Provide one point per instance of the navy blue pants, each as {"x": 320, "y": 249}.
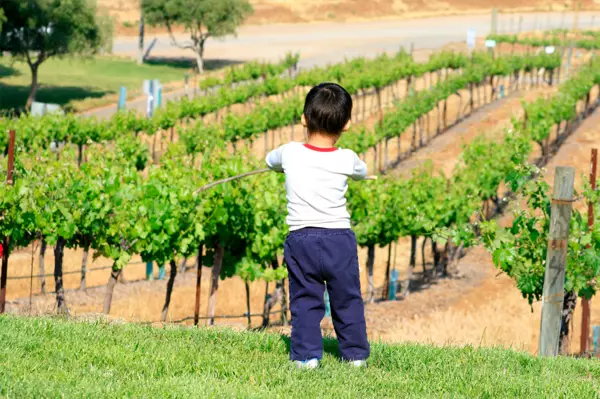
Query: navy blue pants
{"x": 315, "y": 256}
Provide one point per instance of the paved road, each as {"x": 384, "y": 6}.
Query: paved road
{"x": 324, "y": 43}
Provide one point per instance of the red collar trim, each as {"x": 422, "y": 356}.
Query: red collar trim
{"x": 320, "y": 149}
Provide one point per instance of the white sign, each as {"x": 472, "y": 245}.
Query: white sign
{"x": 471, "y": 37}
{"x": 490, "y": 43}
{"x": 550, "y": 50}
{"x": 40, "y": 109}
{"x": 146, "y": 87}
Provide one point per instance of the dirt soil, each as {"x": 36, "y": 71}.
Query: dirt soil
{"x": 126, "y": 12}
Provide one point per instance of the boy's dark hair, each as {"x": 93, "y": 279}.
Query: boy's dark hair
{"x": 327, "y": 109}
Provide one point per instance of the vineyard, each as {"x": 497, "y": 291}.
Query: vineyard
{"x": 126, "y": 190}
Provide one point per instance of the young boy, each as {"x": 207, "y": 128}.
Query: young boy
{"x": 321, "y": 247}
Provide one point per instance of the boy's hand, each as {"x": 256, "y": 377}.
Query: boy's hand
{"x": 371, "y": 177}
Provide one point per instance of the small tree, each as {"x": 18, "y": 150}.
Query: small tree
{"x": 201, "y": 19}
{"x": 36, "y": 30}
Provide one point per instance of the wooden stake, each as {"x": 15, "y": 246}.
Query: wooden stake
{"x": 556, "y": 261}
{"x": 586, "y": 303}
{"x": 214, "y": 283}
{"x": 198, "y": 282}
{"x": 6, "y": 241}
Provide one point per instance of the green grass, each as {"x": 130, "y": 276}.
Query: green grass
{"x": 83, "y": 83}
{"x": 45, "y": 357}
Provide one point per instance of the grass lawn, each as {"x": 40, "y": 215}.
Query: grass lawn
{"x": 48, "y": 357}
{"x": 82, "y": 83}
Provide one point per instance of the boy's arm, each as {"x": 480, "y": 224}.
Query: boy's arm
{"x": 275, "y": 160}
{"x": 359, "y": 170}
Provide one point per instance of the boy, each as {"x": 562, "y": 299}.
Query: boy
{"x": 321, "y": 247}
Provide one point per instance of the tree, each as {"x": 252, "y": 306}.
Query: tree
{"x": 36, "y": 30}
{"x": 201, "y": 19}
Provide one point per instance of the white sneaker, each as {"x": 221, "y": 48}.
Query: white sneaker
{"x": 358, "y": 363}
{"x": 307, "y": 364}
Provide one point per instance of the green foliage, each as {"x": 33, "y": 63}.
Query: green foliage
{"x": 165, "y": 214}
{"x": 542, "y": 115}
{"x": 411, "y": 109}
{"x": 37, "y": 132}
{"x": 48, "y": 28}
{"x": 556, "y": 39}
{"x": 111, "y": 207}
{"x": 36, "y": 30}
{"x": 520, "y": 249}
{"x": 212, "y": 18}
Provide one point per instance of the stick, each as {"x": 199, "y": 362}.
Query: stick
{"x": 255, "y": 172}
{"x": 585, "y": 303}
{"x": 6, "y": 240}
{"x": 227, "y": 180}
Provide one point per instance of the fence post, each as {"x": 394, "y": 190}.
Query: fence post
{"x": 140, "y": 59}
{"x": 122, "y": 98}
{"x": 494, "y": 29}
{"x": 556, "y": 260}
{"x": 586, "y": 303}
{"x": 198, "y": 282}
{"x": 5, "y": 241}
{"x": 150, "y": 271}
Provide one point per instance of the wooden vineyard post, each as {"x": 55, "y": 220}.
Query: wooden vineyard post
{"x": 380, "y": 121}
{"x": 585, "y": 303}
{"x": 195, "y": 82}
{"x": 5, "y": 241}
{"x": 214, "y": 283}
{"x": 140, "y": 59}
{"x": 556, "y": 260}
{"x": 198, "y": 282}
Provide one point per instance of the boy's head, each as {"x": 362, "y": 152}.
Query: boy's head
{"x": 327, "y": 110}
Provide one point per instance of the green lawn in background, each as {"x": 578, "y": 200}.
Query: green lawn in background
{"x": 83, "y": 83}
{"x": 50, "y": 357}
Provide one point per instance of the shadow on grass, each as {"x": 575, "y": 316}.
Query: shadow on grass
{"x": 330, "y": 346}
{"x": 190, "y": 63}
{"x": 15, "y": 97}
{"x": 7, "y": 71}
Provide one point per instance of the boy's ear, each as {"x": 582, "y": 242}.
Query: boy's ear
{"x": 303, "y": 120}
{"x": 348, "y": 125}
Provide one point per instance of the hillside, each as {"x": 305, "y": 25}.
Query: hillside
{"x": 58, "y": 358}
{"x": 280, "y": 11}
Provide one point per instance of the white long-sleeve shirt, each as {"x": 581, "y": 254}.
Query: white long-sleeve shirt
{"x": 316, "y": 181}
